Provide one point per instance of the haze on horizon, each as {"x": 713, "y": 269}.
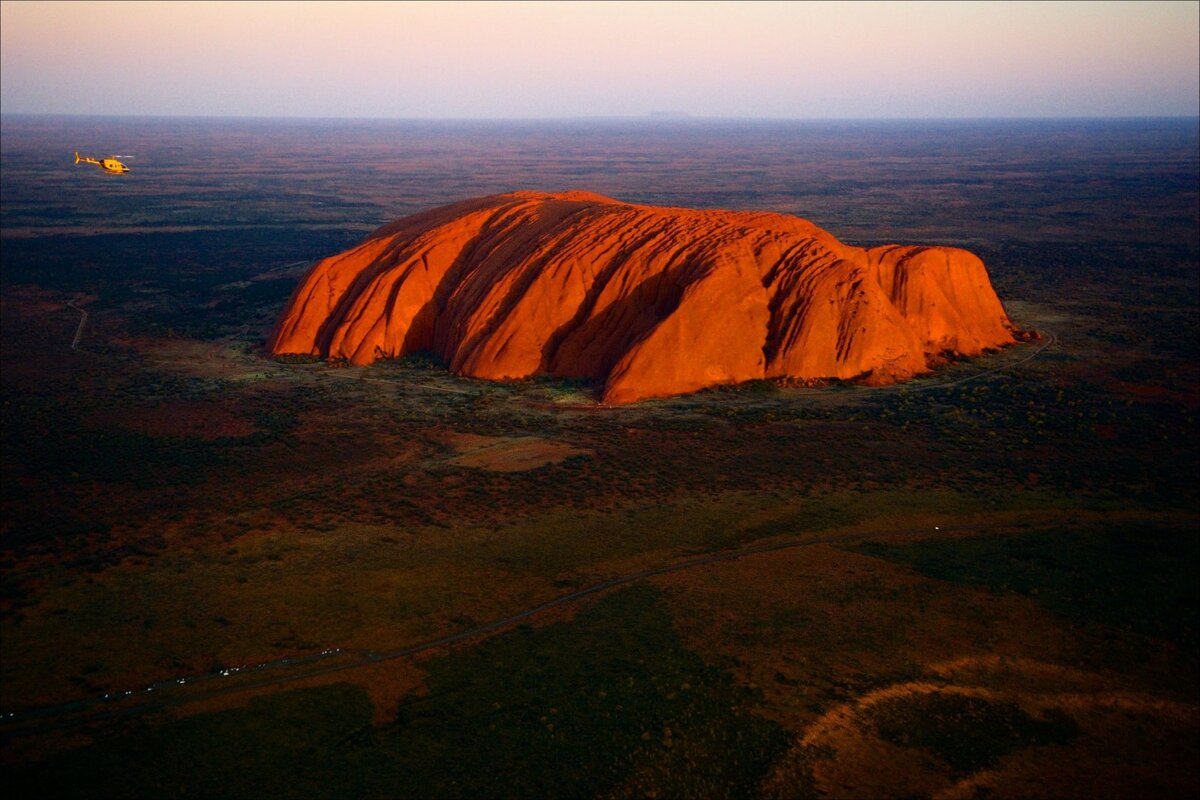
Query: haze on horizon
{"x": 547, "y": 60}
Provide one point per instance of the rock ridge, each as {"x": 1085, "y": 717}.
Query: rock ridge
{"x": 649, "y": 301}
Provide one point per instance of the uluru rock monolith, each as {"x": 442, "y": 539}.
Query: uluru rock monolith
{"x": 648, "y": 301}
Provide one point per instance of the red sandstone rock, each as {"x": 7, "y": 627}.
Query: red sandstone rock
{"x": 651, "y": 301}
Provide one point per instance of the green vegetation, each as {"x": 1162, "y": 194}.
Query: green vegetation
{"x": 173, "y": 499}
{"x": 421, "y": 361}
{"x": 1134, "y": 577}
{"x": 293, "y": 744}
{"x": 65, "y": 450}
{"x": 576, "y": 709}
{"x": 609, "y": 702}
{"x": 968, "y": 733}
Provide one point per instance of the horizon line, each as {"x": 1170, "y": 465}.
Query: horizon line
{"x": 657, "y": 117}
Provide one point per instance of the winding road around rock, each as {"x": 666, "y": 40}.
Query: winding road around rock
{"x": 82, "y": 322}
{"x": 70, "y": 713}
{"x": 175, "y": 691}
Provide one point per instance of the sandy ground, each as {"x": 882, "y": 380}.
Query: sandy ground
{"x": 508, "y": 453}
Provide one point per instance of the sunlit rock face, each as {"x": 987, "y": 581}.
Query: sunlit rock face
{"x": 648, "y": 301}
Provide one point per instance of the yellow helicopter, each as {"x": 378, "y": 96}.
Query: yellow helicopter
{"x": 108, "y": 164}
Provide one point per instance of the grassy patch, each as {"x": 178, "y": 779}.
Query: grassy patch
{"x": 610, "y": 702}
{"x": 1136, "y": 577}
{"x": 579, "y": 709}
{"x": 968, "y": 733}
{"x": 286, "y": 745}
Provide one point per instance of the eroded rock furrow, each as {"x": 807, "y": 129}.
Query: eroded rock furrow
{"x": 650, "y": 301}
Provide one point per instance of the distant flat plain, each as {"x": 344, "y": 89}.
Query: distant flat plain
{"x": 177, "y": 504}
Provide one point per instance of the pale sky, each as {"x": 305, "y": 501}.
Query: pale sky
{"x": 536, "y": 60}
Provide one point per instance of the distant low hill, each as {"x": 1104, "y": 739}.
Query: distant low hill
{"x": 648, "y": 301}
